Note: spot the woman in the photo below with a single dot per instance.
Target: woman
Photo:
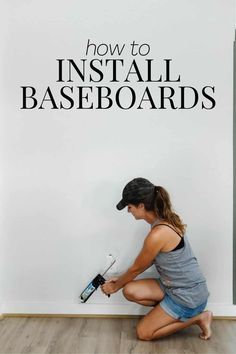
(180, 294)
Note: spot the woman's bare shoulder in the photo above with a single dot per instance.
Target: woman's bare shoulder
(161, 229)
(166, 237)
(158, 232)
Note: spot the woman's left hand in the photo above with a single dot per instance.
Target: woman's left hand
(110, 286)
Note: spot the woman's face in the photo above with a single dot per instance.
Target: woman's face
(136, 211)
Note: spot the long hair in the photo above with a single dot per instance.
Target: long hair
(160, 203)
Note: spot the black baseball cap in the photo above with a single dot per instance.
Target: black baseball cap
(135, 192)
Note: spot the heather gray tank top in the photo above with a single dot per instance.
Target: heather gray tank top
(180, 275)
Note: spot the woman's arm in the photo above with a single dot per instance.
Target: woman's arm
(151, 247)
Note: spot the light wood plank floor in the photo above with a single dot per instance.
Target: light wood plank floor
(106, 335)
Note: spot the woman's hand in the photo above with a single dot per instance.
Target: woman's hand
(110, 286)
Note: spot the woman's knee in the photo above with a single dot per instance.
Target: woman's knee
(142, 332)
(143, 289)
(128, 291)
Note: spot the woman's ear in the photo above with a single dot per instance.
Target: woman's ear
(141, 206)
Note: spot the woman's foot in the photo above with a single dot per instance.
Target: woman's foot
(205, 319)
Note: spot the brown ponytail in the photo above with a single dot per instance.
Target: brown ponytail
(162, 206)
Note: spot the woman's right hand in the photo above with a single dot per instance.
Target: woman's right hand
(110, 286)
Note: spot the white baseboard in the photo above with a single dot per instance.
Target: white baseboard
(222, 310)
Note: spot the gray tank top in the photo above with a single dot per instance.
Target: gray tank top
(180, 274)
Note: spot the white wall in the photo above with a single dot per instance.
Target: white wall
(63, 171)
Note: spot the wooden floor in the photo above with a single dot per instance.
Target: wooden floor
(106, 335)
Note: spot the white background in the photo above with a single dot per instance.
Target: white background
(62, 172)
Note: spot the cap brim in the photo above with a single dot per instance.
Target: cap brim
(121, 205)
